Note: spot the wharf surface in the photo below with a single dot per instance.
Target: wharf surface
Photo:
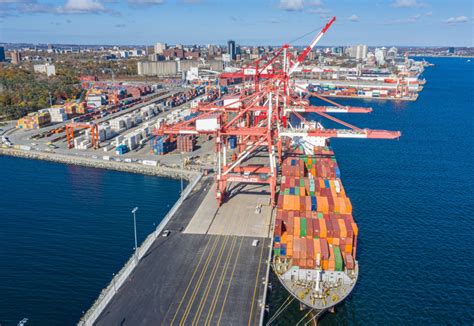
(206, 271)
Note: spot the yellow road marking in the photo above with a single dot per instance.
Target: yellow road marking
(191, 280)
(230, 282)
(256, 283)
(210, 281)
(222, 278)
(198, 284)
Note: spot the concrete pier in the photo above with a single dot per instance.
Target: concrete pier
(200, 275)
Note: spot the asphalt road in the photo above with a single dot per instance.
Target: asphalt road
(193, 278)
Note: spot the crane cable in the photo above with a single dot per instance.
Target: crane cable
(285, 304)
(304, 317)
(304, 35)
(312, 318)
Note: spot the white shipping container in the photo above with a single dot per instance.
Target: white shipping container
(151, 163)
(106, 158)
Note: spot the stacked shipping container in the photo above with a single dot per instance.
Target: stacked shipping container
(314, 225)
(185, 143)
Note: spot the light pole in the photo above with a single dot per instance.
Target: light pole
(135, 229)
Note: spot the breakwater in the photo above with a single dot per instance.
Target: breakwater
(158, 170)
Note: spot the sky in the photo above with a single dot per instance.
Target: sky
(248, 22)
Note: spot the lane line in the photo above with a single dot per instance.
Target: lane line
(191, 281)
(222, 278)
(210, 281)
(256, 283)
(230, 282)
(198, 284)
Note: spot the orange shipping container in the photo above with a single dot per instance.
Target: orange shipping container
(325, 264)
(296, 232)
(317, 248)
(342, 228)
(348, 248)
(322, 228)
(355, 229)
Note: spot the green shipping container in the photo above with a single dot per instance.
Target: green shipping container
(338, 258)
(303, 227)
(320, 215)
(276, 251)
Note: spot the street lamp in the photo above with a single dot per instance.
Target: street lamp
(135, 229)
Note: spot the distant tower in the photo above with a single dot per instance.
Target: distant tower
(2, 54)
(160, 47)
(231, 50)
(16, 57)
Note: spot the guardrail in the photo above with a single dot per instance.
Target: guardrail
(267, 273)
(89, 318)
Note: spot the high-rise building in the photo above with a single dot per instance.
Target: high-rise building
(380, 55)
(231, 50)
(16, 57)
(359, 51)
(2, 54)
(160, 48)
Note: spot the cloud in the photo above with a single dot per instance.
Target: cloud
(34, 7)
(82, 7)
(409, 20)
(14, 7)
(407, 4)
(354, 18)
(318, 11)
(145, 2)
(292, 5)
(456, 20)
(429, 14)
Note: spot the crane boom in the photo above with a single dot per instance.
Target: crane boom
(308, 49)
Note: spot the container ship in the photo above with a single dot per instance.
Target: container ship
(315, 235)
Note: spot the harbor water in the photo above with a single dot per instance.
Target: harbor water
(66, 229)
(414, 207)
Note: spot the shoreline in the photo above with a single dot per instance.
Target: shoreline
(159, 170)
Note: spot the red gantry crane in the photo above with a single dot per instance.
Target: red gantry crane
(94, 133)
(258, 121)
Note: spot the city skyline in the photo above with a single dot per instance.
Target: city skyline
(390, 22)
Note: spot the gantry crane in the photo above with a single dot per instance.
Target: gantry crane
(94, 133)
(259, 121)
